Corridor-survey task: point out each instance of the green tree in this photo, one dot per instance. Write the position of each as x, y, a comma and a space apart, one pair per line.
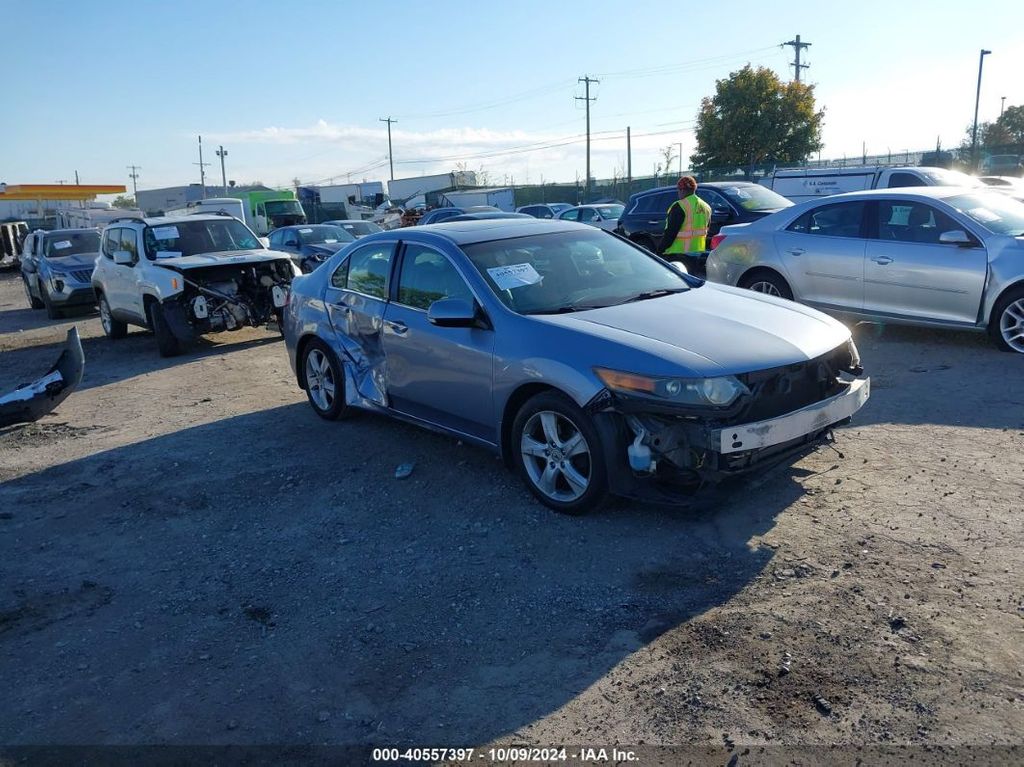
123, 201
1011, 124
755, 118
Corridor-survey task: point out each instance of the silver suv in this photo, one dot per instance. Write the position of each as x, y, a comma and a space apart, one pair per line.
186, 276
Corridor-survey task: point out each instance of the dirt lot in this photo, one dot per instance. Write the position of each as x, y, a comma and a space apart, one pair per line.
189, 555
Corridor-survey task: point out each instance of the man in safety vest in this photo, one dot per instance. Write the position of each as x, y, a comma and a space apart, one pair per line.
686, 227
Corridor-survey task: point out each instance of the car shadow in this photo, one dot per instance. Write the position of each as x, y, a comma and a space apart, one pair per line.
266, 578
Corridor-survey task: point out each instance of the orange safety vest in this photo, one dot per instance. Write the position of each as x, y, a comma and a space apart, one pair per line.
692, 235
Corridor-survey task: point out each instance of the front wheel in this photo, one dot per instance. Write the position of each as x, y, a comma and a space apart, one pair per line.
166, 341
325, 381
34, 302
1007, 324
558, 454
52, 312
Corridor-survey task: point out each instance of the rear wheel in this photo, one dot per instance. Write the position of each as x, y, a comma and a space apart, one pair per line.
166, 341
325, 381
1007, 324
33, 302
558, 454
111, 328
769, 283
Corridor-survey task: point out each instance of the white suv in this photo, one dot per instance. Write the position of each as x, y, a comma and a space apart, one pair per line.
183, 277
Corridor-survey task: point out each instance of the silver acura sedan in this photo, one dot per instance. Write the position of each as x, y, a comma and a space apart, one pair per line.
590, 365
942, 256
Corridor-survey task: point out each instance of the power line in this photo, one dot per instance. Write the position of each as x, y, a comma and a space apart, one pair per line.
797, 47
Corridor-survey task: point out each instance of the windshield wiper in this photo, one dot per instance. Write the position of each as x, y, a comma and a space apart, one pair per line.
650, 294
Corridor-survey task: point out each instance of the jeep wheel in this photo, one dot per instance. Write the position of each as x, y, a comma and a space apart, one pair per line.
111, 328
166, 341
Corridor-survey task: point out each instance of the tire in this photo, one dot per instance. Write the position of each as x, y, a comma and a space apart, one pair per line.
767, 282
325, 381
571, 482
166, 341
111, 328
52, 312
33, 302
1006, 327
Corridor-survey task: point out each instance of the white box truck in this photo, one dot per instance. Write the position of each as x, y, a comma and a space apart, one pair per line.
403, 189
502, 199
810, 183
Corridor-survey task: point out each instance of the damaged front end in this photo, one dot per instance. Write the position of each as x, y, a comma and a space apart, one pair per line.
679, 435
228, 297
31, 401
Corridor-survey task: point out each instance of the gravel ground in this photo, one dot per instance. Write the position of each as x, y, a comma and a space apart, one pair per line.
189, 555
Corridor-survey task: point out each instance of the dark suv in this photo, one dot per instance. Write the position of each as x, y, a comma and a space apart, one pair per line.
733, 202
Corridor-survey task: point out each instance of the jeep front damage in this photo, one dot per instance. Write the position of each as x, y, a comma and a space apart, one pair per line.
670, 437
228, 297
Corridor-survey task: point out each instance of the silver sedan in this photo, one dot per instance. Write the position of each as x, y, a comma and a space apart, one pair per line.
590, 365
942, 256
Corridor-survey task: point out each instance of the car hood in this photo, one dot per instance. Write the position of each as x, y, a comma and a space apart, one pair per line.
713, 329
228, 257
77, 261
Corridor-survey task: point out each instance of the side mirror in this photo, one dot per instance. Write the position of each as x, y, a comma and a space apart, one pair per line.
452, 313
123, 257
955, 237
265, 242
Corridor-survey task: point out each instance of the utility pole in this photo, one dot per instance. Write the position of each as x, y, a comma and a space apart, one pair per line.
587, 80
391, 157
629, 158
797, 47
680, 158
977, 99
202, 167
1002, 105
134, 176
222, 153
77, 182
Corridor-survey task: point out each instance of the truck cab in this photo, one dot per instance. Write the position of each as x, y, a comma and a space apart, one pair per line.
803, 184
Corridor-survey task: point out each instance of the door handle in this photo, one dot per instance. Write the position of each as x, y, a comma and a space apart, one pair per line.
662, 221
796, 251
398, 328
883, 260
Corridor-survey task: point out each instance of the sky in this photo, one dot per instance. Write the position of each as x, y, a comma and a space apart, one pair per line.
296, 89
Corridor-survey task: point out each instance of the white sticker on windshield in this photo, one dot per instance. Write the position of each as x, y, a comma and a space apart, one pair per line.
168, 254
514, 276
165, 232
306, 231
329, 240
737, 192
62, 245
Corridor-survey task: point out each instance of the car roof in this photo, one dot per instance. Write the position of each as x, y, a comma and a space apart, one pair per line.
166, 220
485, 230
337, 221
933, 192
77, 230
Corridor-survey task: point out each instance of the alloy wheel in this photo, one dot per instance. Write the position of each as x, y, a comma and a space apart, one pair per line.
1011, 325
763, 286
105, 316
556, 456
320, 379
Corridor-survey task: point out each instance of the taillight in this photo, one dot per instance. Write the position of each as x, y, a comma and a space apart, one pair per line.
717, 240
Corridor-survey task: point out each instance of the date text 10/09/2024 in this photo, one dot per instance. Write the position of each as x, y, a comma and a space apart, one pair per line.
504, 754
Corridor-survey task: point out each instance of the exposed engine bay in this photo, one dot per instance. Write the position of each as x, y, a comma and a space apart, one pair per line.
229, 297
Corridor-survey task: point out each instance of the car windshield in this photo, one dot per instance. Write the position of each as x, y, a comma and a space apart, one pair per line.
996, 212
189, 238
610, 211
943, 177
360, 228
314, 235
63, 244
755, 197
570, 271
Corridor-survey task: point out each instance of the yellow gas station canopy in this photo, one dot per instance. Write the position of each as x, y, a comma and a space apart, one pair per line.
57, 191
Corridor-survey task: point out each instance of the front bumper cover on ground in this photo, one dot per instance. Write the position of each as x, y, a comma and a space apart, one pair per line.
31, 401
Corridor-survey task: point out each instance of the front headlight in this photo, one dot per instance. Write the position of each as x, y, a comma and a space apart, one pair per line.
717, 392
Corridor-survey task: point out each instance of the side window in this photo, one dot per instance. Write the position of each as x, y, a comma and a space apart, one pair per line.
542, 211
570, 215
841, 220
428, 276
340, 277
587, 215
664, 201
111, 242
714, 199
275, 239
905, 179
129, 243
368, 270
909, 221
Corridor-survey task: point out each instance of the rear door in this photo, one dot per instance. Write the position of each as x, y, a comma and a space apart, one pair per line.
823, 252
909, 273
440, 375
356, 297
